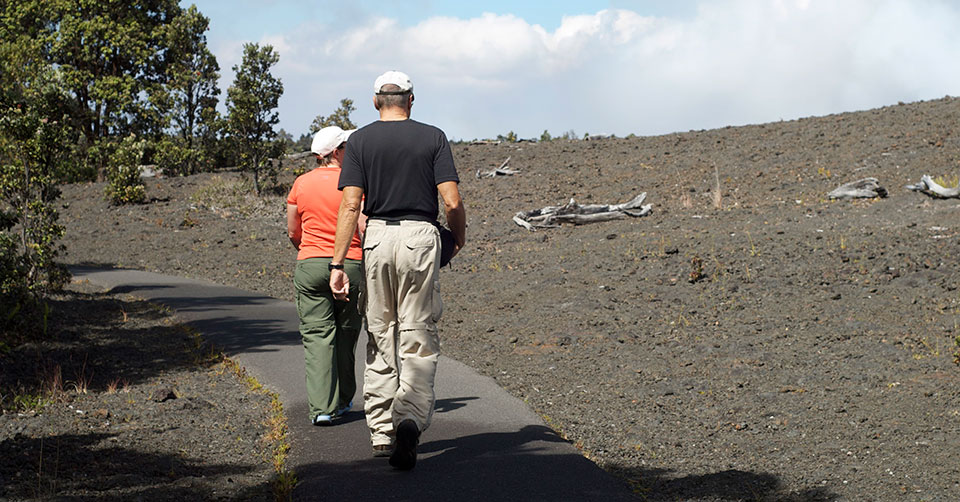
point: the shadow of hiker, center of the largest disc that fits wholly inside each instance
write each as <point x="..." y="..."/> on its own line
<point x="732" y="484"/>
<point x="463" y="448"/>
<point x="455" y="403"/>
<point x="353" y="415"/>
<point x="519" y="465"/>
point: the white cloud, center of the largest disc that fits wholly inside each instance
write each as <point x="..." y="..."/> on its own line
<point x="616" y="71"/>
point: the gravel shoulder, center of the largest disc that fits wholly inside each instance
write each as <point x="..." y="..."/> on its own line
<point x="749" y="340"/>
<point x="136" y="408"/>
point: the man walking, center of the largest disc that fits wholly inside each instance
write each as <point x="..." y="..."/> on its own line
<point x="399" y="166"/>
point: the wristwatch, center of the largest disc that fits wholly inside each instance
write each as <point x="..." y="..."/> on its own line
<point x="335" y="266"/>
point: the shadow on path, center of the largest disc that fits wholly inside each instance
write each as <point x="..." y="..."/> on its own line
<point x="486" y="466"/>
<point x="664" y="485"/>
<point x="234" y="320"/>
<point x="451" y="404"/>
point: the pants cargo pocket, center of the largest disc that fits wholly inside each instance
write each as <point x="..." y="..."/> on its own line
<point x="437" y="302"/>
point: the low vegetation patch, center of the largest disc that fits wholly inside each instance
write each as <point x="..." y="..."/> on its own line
<point x="230" y="196"/>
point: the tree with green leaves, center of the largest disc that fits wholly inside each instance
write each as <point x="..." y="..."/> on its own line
<point x="112" y="58"/>
<point x="189" y="98"/>
<point x="34" y="126"/>
<point x="340" y="117"/>
<point x="251" y="113"/>
<point x="546" y="136"/>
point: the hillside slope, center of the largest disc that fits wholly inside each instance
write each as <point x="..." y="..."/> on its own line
<point x="812" y="357"/>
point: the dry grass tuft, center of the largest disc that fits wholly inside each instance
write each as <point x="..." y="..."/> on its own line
<point x="948" y="181"/>
<point x="276" y="434"/>
<point x="716" y="195"/>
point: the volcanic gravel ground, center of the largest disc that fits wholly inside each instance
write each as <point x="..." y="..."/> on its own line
<point x="748" y="340"/>
<point x="137" y="410"/>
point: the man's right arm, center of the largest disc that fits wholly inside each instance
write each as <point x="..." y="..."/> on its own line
<point x="456" y="214"/>
<point x="346" y="226"/>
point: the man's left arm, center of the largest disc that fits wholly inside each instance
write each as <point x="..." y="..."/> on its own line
<point x="456" y="214"/>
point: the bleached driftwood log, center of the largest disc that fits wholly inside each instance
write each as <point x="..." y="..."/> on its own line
<point x="934" y="189"/>
<point x="866" y="188"/>
<point x="503" y="170"/>
<point x="298" y="156"/>
<point x="572" y="212"/>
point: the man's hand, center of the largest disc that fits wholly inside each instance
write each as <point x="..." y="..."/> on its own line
<point x="340" y="285"/>
<point x="347" y="217"/>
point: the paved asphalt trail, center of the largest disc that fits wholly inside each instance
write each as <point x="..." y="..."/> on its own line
<point x="483" y="444"/>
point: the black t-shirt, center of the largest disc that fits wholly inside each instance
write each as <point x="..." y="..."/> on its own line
<point x="398" y="164"/>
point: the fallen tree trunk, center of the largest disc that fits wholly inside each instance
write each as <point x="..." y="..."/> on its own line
<point x="934" y="189"/>
<point x="503" y="170"/>
<point x="866" y="188"/>
<point x="572" y="212"/>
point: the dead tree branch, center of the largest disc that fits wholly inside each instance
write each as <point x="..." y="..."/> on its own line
<point x="934" y="189"/>
<point x="866" y="188"/>
<point x="577" y="214"/>
<point x="503" y="170"/>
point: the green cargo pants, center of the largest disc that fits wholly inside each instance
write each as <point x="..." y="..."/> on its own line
<point x="329" y="330"/>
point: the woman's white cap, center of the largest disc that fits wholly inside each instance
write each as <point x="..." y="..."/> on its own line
<point x="328" y="139"/>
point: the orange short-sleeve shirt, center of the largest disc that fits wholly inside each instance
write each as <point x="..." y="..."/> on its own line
<point x="317" y="199"/>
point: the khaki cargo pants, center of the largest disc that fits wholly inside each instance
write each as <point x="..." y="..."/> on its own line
<point x="401" y="262"/>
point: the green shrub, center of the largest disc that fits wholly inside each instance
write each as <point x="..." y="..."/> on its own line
<point x="33" y="131"/>
<point x="123" y="174"/>
<point x="175" y="158"/>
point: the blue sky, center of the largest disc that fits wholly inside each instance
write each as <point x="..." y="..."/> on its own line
<point x="617" y="67"/>
<point x="254" y="19"/>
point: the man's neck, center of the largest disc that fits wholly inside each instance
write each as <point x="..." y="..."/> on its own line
<point x="394" y="114"/>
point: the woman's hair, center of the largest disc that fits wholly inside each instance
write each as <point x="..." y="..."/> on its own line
<point x="325" y="160"/>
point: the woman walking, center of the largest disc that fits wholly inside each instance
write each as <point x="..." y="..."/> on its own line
<point x="329" y="328"/>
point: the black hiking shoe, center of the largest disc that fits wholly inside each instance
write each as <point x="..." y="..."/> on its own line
<point x="405" y="450"/>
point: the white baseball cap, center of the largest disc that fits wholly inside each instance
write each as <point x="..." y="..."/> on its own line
<point x="328" y="139"/>
<point x="397" y="78"/>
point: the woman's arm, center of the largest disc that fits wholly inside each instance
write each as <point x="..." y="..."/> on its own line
<point x="293" y="225"/>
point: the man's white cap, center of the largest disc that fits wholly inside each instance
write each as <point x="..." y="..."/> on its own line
<point x="328" y="139"/>
<point x="397" y="78"/>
